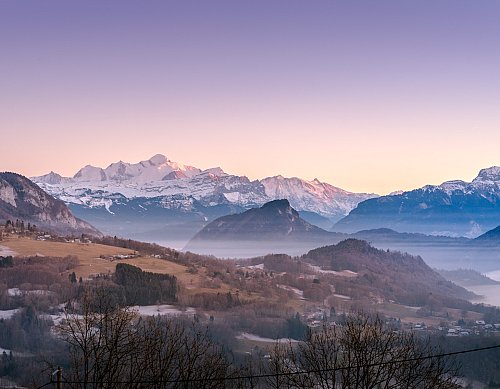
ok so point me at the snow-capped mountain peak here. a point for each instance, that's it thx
(490, 175)
(454, 208)
(315, 195)
(160, 177)
(154, 169)
(90, 173)
(51, 178)
(158, 159)
(216, 172)
(450, 186)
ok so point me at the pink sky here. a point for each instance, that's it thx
(371, 97)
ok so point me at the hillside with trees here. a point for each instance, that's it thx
(243, 304)
(388, 274)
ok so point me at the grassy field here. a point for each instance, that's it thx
(90, 261)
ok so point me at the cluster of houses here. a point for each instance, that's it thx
(477, 327)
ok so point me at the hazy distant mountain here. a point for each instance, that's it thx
(313, 196)
(491, 236)
(467, 277)
(184, 195)
(317, 220)
(274, 227)
(454, 208)
(274, 220)
(22, 199)
(380, 235)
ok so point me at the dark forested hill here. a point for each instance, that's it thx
(391, 274)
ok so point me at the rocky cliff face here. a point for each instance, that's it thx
(22, 199)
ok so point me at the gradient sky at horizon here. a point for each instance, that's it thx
(371, 96)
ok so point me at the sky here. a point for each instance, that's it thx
(370, 96)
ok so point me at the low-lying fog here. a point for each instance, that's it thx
(448, 256)
(249, 249)
(490, 293)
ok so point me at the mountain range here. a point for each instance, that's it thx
(274, 227)
(21, 199)
(454, 208)
(277, 228)
(158, 198)
(169, 202)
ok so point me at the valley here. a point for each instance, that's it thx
(253, 275)
(300, 279)
(161, 201)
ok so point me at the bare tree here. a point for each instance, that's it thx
(102, 342)
(112, 347)
(362, 353)
(181, 355)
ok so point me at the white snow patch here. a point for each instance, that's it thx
(19, 292)
(169, 310)
(260, 266)
(342, 273)
(8, 313)
(342, 296)
(257, 338)
(5, 251)
(233, 197)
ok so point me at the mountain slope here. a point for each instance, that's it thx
(274, 227)
(276, 219)
(492, 236)
(315, 196)
(390, 275)
(22, 199)
(454, 208)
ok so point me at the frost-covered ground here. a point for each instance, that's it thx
(169, 310)
(5, 251)
(8, 313)
(260, 266)
(342, 296)
(20, 292)
(143, 310)
(343, 273)
(257, 338)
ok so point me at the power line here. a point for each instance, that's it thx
(291, 373)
